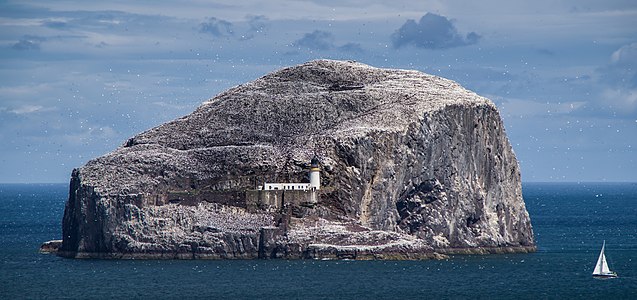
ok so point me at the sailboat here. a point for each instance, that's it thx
(601, 268)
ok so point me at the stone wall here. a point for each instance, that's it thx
(275, 200)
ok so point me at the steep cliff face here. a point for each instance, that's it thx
(412, 164)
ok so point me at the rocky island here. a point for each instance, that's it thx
(327, 159)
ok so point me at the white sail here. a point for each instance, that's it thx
(601, 268)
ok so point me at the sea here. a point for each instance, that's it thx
(570, 221)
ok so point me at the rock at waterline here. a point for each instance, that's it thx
(51, 246)
(411, 166)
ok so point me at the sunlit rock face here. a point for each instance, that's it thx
(412, 165)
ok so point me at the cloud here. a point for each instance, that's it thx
(432, 32)
(28, 42)
(618, 84)
(316, 40)
(546, 52)
(244, 31)
(620, 101)
(625, 55)
(517, 107)
(56, 24)
(623, 66)
(216, 27)
(256, 25)
(24, 45)
(324, 40)
(29, 109)
(351, 47)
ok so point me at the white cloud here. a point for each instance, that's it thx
(620, 101)
(626, 55)
(24, 90)
(618, 83)
(512, 107)
(29, 109)
(20, 22)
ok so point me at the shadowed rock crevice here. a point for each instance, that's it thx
(411, 165)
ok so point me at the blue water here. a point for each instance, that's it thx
(570, 222)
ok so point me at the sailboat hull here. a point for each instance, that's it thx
(605, 276)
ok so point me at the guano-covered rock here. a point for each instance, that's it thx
(411, 166)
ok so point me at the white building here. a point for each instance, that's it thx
(315, 181)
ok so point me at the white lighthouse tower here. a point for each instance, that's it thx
(315, 174)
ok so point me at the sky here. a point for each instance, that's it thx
(77, 78)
